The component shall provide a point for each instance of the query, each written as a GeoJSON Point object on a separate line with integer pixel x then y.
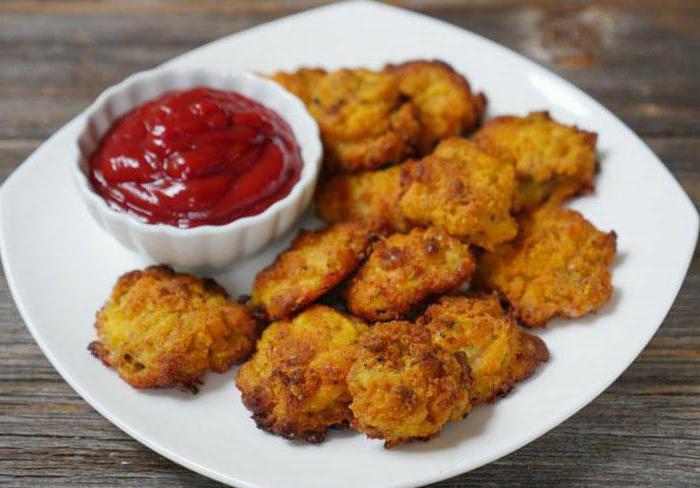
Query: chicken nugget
{"type": "Point", "coordinates": [403, 387]}
{"type": "Point", "coordinates": [444, 100]}
{"type": "Point", "coordinates": [406, 269]}
{"type": "Point", "coordinates": [500, 353]}
{"type": "Point", "coordinates": [551, 160]}
{"type": "Point", "coordinates": [302, 82]}
{"type": "Point", "coordinates": [295, 384]}
{"type": "Point", "coordinates": [365, 122]}
{"type": "Point", "coordinates": [464, 191]}
{"type": "Point", "coordinates": [314, 264]}
{"type": "Point", "coordinates": [371, 197]}
{"type": "Point", "coordinates": [163, 329]}
{"type": "Point", "coordinates": [557, 266]}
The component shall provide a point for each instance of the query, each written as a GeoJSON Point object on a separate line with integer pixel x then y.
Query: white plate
{"type": "Point", "coordinates": [61, 266]}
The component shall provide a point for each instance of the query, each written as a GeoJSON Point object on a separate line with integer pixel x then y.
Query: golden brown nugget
{"type": "Point", "coordinates": [302, 82]}
{"type": "Point", "coordinates": [500, 353]}
{"type": "Point", "coordinates": [557, 266]}
{"type": "Point", "coordinates": [163, 329]}
{"type": "Point", "coordinates": [446, 105]}
{"type": "Point", "coordinates": [406, 269]}
{"type": "Point", "coordinates": [403, 387]}
{"type": "Point", "coordinates": [295, 384]}
{"type": "Point", "coordinates": [463, 190]}
{"type": "Point", "coordinates": [550, 159]}
{"type": "Point", "coordinates": [365, 122]}
{"type": "Point", "coordinates": [314, 264]}
{"type": "Point", "coordinates": [371, 197]}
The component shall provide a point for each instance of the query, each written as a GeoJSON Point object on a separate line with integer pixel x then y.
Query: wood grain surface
{"type": "Point", "coordinates": [641, 58]}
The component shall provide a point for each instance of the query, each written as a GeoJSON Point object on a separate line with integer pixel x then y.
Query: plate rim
{"type": "Point", "coordinates": [689, 244]}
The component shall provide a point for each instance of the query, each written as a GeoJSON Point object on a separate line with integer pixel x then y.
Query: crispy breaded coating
{"type": "Point", "coordinates": [302, 82]}
{"type": "Point", "coordinates": [364, 120]}
{"type": "Point", "coordinates": [295, 384]}
{"type": "Point", "coordinates": [371, 119]}
{"type": "Point", "coordinates": [371, 197]}
{"type": "Point", "coordinates": [557, 266]}
{"type": "Point", "coordinates": [550, 159]}
{"type": "Point", "coordinates": [406, 269]}
{"type": "Point", "coordinates": [314, 264]}
{"type": "Point", "coordinates": [164, 329]}
{"type": "Point", "coordinates": [443, 97]}
{"type": "Point", "coordinates": [464, 191]}
{"type": "Point", "coordinates": [403, 387]}
{"type": "Point", "coordinates": [500, 353]}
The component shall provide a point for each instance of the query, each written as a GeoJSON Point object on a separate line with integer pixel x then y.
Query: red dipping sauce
{"type": "Point", "coordinates": [196, 157]}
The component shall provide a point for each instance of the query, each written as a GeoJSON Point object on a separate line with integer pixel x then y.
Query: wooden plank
{"type": "Point", "coordinates": [281, 7]}
{"type": "Point", "coordinates": [54, 70]}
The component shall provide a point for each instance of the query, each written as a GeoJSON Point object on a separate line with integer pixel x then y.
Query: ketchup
{"type": "Point", "coordinates": [196, 157]}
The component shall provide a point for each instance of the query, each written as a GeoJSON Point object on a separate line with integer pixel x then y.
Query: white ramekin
{"type": "Point", "coordinates": [208, 246]}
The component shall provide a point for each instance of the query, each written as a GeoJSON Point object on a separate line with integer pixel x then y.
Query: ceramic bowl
{"type": "Point", "coordinates": [208, 246]}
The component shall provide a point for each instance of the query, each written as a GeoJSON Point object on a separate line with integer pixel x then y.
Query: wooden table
{"type": "Point", "coordinates": [641, 58]}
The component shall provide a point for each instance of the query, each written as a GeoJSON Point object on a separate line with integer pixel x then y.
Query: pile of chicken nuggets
{"type": "Point", "coordinates": [447, 238]}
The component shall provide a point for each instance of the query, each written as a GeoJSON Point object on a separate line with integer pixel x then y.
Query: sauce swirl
{"type": "Point", "coordinates": [196, 157]}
